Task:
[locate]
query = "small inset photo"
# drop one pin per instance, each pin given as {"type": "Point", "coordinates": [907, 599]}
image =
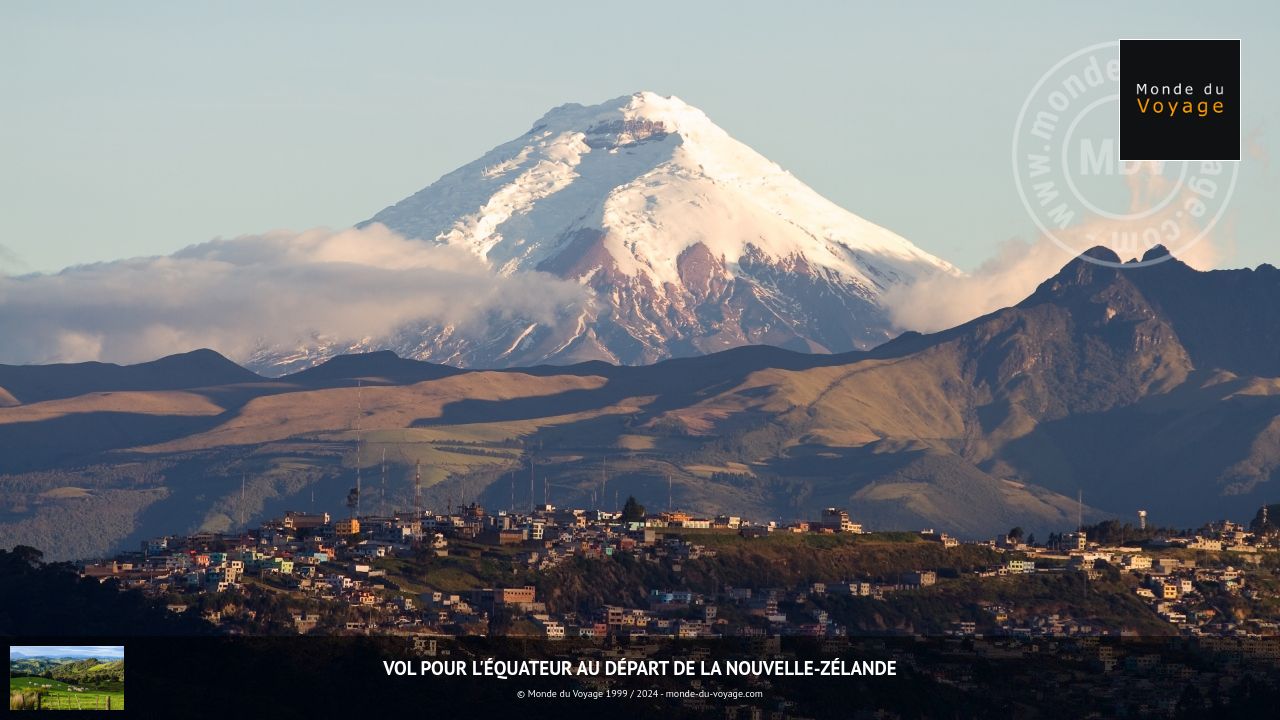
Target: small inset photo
{"type": "Point", "coordinates": [66, 677]}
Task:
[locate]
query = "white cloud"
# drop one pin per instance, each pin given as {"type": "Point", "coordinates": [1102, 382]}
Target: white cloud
{"type": "Point", "coordinates": [276, 289]}
{"type": "Point", "coordinates": [944, 301]}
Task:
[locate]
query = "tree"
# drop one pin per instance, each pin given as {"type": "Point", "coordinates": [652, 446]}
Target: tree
{"type": "Point", "coordinates": [27, 555]}
{"type": "Point", "coordinates": [1031, 539]}
{"type": "Point", "coordinates": [632, 511]}
{"type": "Point", "coordinates": [1266, 519]}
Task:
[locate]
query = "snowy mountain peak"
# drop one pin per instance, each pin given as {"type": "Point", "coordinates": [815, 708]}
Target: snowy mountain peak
{"type": "Point", "coordinates": [687, 240]}
{"type": "Point", "coordinates": [631, 118]}
{"type": "Point", "coordinates": [652, 176]}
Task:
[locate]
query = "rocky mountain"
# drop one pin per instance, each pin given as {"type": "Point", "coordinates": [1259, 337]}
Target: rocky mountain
{"type": "Point", "coordinates": [689, 243]}
{"type": "Point", "coordinates": [1153, 388]}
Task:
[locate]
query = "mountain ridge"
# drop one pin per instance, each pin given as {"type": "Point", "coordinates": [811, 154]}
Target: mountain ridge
{"type": "Point", "coordinates": [1104, 382]}
{"type": "Point", "coordinates": [196, 368]}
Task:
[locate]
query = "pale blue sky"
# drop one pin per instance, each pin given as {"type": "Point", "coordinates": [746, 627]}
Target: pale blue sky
{"type": "Point", "coordinates": [100, 652]}
{"type": "Point", "coordinates": [135, 128]}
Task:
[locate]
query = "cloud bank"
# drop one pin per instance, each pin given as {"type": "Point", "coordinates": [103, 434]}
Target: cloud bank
{"type": "Point", "coordinates": [944, 301]}
{"type": "Point", "coordinates": [280, 289]}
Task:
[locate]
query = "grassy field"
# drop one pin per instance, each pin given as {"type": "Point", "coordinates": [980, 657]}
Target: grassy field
{"type": "Point", "coordinates": [58, 695]}
{"type": "Point", "coordinates": [467, 567]}
{"type": "Point", "coordinates": [719, 537]}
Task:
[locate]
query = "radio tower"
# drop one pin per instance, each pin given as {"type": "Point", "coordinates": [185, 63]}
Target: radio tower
{"type": "Point", "coordinates": [382, 500]}
{"type": "Point", "coordinates": [359, 412]}
{"type": "Point", "coordinates": [1079, 510]}
{"type": "Point", "coordinates": [417, 486]}
{"type": "Point", "coordinates": [241, 499]}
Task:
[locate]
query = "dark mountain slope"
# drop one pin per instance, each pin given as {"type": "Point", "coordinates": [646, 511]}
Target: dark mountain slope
{"type": "Point", "coordinates": [1154, 387]}
{"type": "Point", "coordinates": [382, 367]}
{"type": "Point", "coordinates": [195, 369]}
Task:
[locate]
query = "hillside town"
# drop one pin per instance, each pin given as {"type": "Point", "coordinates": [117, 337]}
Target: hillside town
{"type": "Point", "coordinates": [357, 575]}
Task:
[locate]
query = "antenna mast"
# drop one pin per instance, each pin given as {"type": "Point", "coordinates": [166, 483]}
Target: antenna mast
{"type": "Point", "coordinates": [417, 485]}
{"type": "Point", "coordinates": [359, 412]}
{"type": "Point", "coordinates": [1079, 509]}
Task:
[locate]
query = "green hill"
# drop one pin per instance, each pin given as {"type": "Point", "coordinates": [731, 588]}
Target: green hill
{"type": "Point", "coordinates": [59, 695]}
{"type": "Point", "coordinates": [90, 672]}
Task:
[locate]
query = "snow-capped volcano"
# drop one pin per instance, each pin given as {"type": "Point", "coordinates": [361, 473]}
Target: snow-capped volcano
{"type": "Point", "coordinates": [687, 240]}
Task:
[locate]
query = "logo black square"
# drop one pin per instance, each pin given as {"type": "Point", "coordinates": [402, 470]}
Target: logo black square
{"type": "Point", "coordinates": [1179, 99]}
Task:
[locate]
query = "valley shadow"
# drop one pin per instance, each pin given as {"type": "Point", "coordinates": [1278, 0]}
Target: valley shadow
{"type": "Point", "coordinates": [232, 398]}
{"type": "Point", "coordinates": [381, 367]}
{"type": "Point", "coordinates": [77, 438]}
{"type": "Point", "coordinates": [194, 491]}
{"type": "Point", "coordinates": [824, 461]}
{"type": "Point", "coordinates": [674, 383]}
{"type": "Point", "coordinates": [1157, 455]}
{"type": "Point", "coordinates": [191, 492]}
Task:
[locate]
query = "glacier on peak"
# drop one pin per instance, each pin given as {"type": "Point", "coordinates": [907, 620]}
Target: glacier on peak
{"type": "Point", "coordinates": [689, 240]}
